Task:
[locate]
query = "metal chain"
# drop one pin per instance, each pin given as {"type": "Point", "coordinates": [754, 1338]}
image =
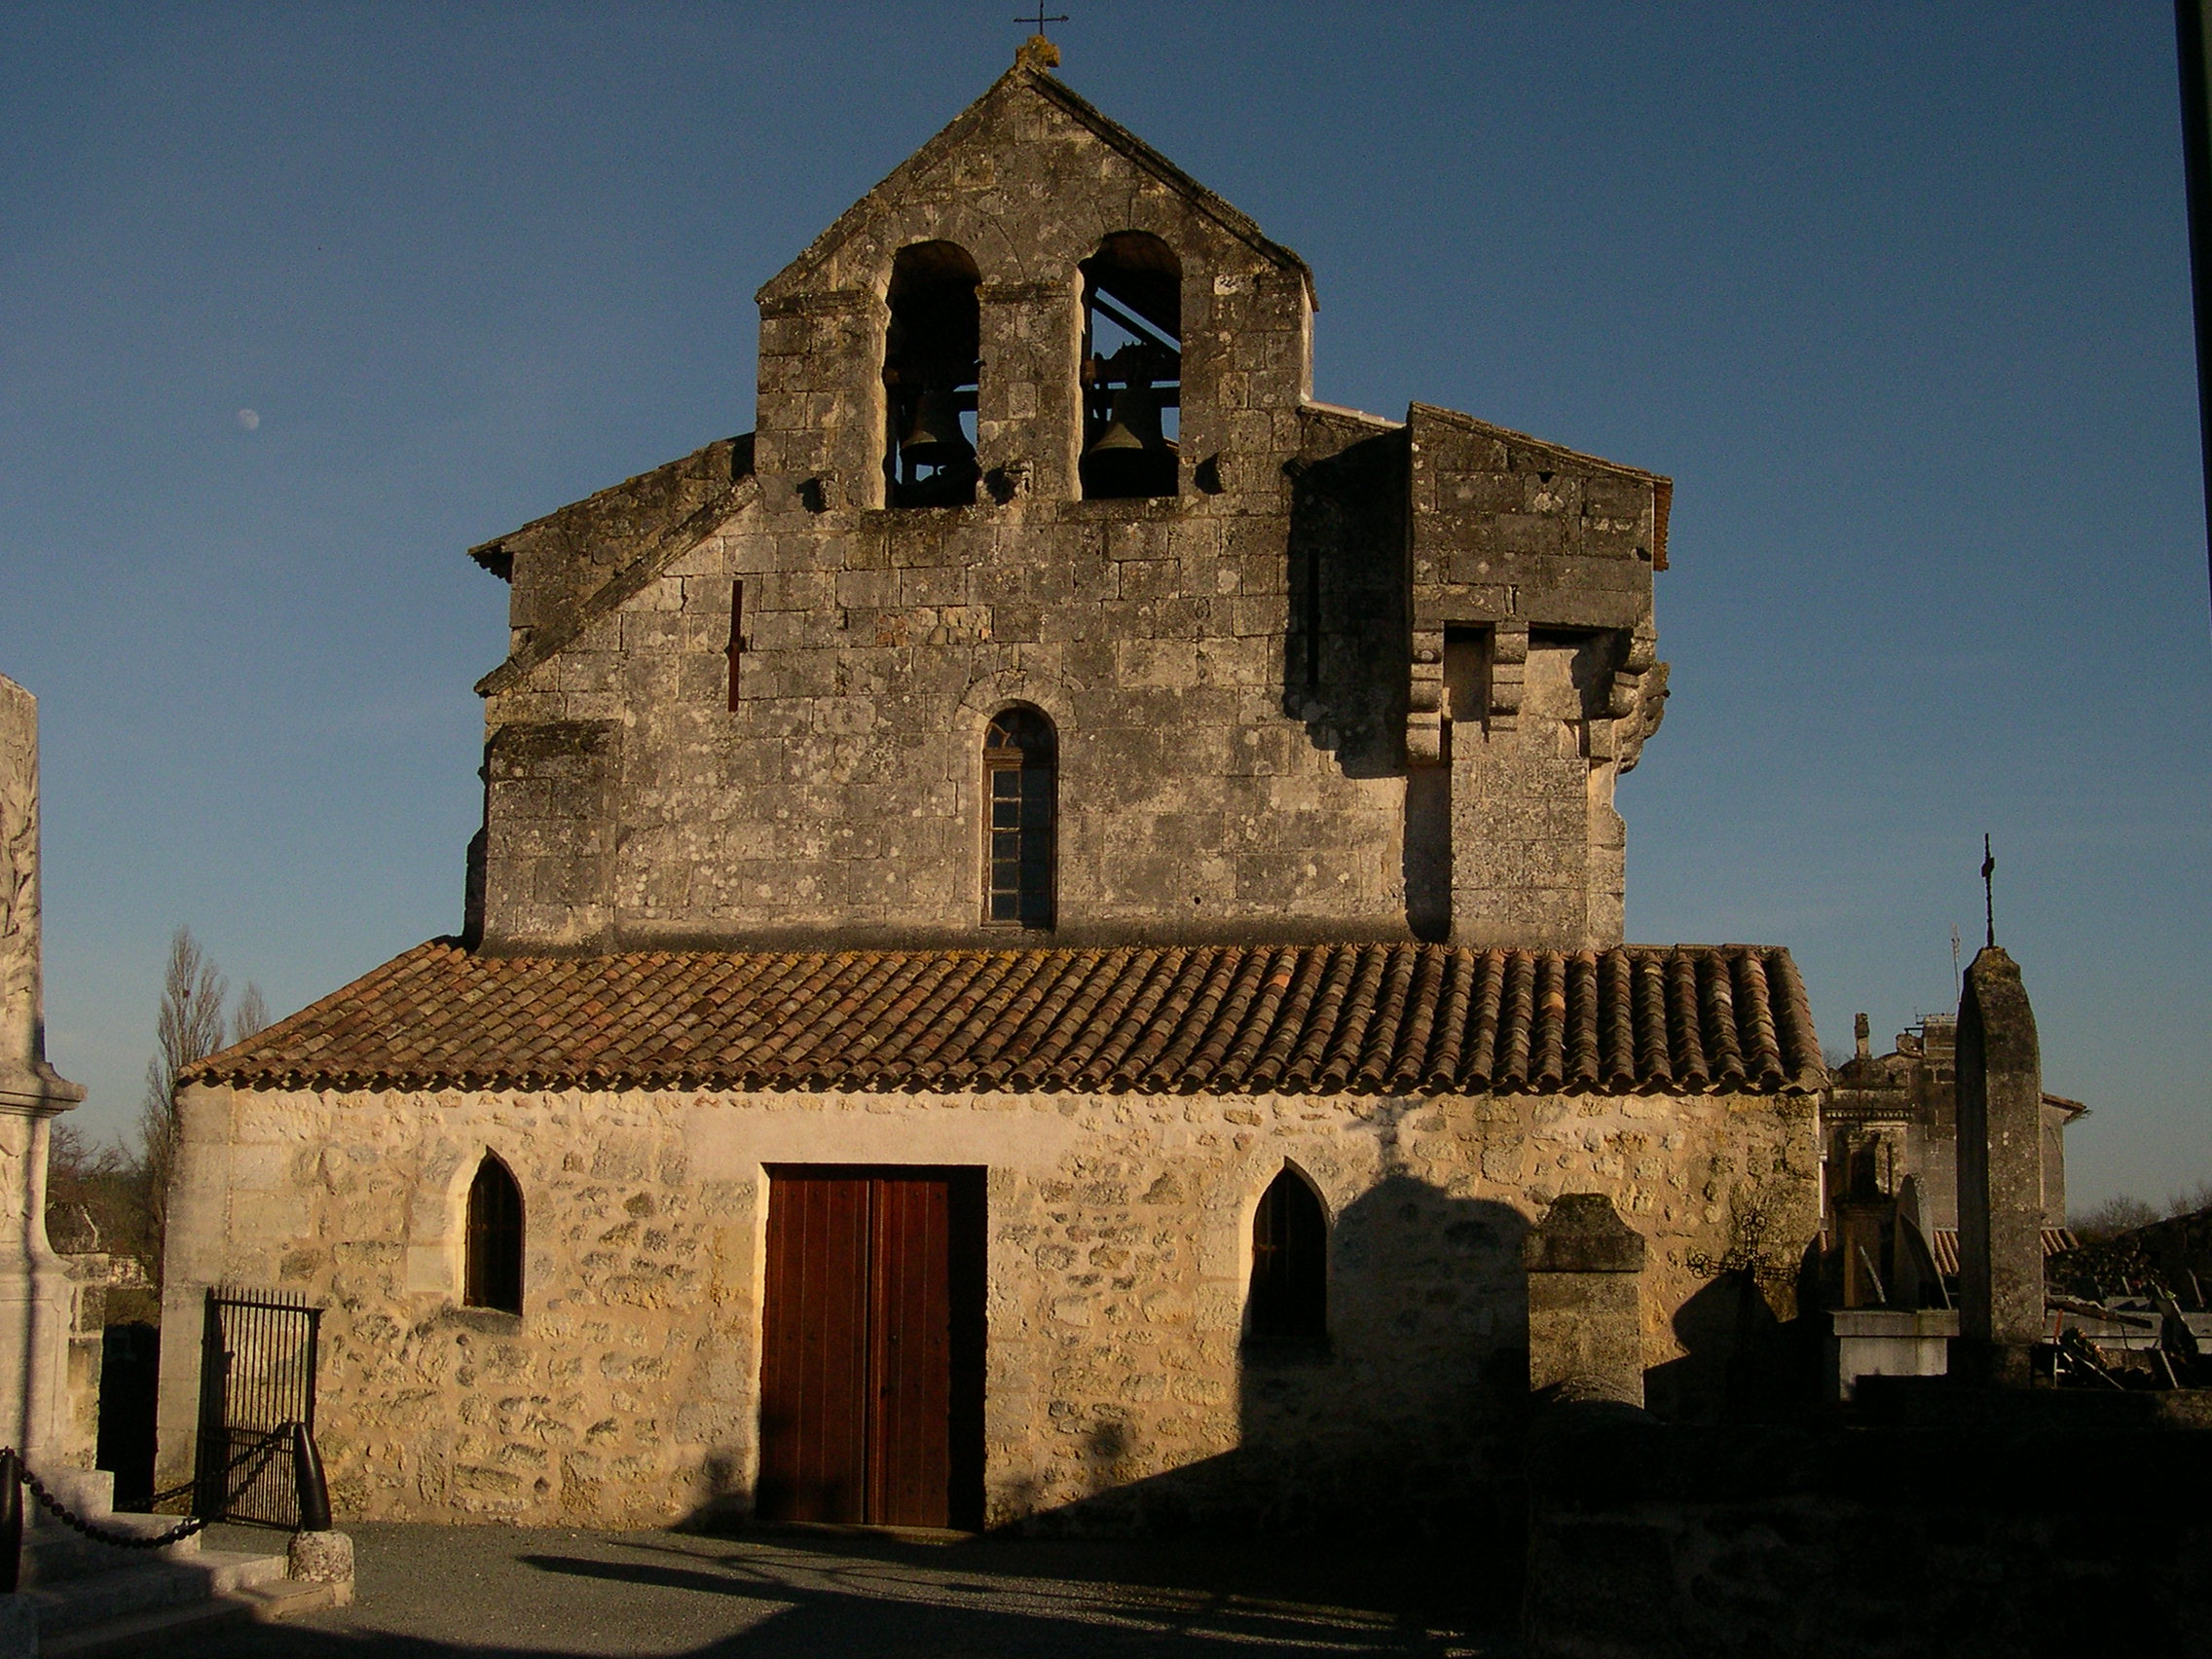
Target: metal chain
{"type": "Point", "coordinates": [132, 1540]}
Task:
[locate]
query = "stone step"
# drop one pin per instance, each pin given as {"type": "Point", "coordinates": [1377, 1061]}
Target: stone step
{"type": "Point", "coordinates": [53, 1552]}
{"type": "Point", "coordinates": [90, 1492]}
{"type": "Point", "coordinates": [151, 1632]}
{"type": "Point", "coordinates": [147, 1586]}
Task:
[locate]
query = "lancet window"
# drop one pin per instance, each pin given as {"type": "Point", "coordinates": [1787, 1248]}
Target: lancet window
{"type": "Point", "coordinates": [1289, 1304]}
{"type": "Point", "coordinates": [494, 1277]}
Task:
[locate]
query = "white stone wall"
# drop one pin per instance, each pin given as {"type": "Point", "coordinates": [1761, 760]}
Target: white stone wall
{"type": "Point", "coordinates": [1119, 1251]}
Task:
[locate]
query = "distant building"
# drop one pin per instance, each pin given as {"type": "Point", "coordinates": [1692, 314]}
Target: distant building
{"type": "Point", "coordinates": [1046, 921]}
{"type": "Point", "coordinates": [1889, 1156]}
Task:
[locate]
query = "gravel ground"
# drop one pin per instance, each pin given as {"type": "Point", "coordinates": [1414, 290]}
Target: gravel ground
{"type": "Point", "coordinates": [505, 1592]}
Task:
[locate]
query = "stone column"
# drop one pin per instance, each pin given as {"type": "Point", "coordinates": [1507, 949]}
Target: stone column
{"type": "Point", "coordinates": [1585, 1314]}
{"type": "Point", "coordinates": [36, 1296]}
{"type": "Point", "coordinates": [2000, 1097]}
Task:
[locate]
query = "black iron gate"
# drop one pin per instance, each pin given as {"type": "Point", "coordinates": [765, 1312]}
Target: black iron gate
{"type": "Point", "coordinates": [257, 1361]}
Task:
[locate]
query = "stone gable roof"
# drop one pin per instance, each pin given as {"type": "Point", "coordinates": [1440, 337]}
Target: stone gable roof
{"type": "Point", "coordinates": [968, 127]}
{"type": "Point", "coordinates": [1662, 487]}
{"type": "Point", "coordinates": [618, 541]}
{"type": "Point", "coordinates": [610, 524]}
{"type": "Point", "coordinates": [1327, 1019]}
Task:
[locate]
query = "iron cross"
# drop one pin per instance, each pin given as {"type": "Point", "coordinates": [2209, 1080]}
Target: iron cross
{"type": "Point", "coordinates": [1040, 20]}
{"type": "Point", "coordinates": [1989, 889]}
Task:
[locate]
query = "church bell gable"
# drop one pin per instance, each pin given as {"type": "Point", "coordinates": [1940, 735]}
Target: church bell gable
{"type": "Point", "coordinates": [1035, 192]}
{"type": "Point", "coordinates": [1035, 432]}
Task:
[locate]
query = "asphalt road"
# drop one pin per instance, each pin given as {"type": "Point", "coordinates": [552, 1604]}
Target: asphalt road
{"type": "Point", "coordinates": [501, 1593]}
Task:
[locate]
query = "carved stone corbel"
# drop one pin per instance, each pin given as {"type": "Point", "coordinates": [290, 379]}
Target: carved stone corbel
{"type": "Point", "coordinates": [1425, 702]}
{"type": "Point", "coordinates": [1508, 674]}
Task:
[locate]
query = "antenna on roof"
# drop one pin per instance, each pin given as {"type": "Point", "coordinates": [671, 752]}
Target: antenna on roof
{"type": "Point", "coordinates": [1989, 888]}
{"type": "Point", "coordinates": [1954, 961]}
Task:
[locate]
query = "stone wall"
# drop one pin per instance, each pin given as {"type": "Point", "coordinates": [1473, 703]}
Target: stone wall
{"type": "Point", "coordinates": [1119, 1251]}
{"type": "Point", "coordinates": [1540, 561]}
{"type": "Point", "coordinates": [1979, 1538]}
{"type": "Point", "coordinates": [1230, 669]}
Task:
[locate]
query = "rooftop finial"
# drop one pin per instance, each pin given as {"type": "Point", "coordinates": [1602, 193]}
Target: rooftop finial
{"type": "Point", "coordinates": [1038, 53]}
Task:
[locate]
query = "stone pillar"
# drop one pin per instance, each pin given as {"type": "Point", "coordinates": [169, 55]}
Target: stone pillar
{"type": "Point", "coordinates": [1028, 415]}
{"type": "Point", "coordinates": [1585, 1314]}
{"type": "Point", "coordinates": [2000, 1097]}
{"type": "Point", "coordinates": [36, 1296]}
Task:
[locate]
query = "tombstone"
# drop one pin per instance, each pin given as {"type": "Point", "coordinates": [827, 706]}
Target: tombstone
{"type": "Point", "coordinates": [37, 1298]}
{"type": "Point", "coordinates": [2000, 1097]}
{"type": "Point", "coordinates": [1585, 1310]}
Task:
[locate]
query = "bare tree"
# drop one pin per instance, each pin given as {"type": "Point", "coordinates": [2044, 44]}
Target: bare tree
{"type": "Point", "coordinates": [2197, 1198]}
{"type": "Point", "coordinates": [2115, 1215]}
{"type": "Point", "coordinates": [251, 1016]}
{"type": "Point", "coordinates": [189, 1027]}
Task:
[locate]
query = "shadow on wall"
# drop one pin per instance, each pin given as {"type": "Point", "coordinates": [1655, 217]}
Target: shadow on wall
{"type": "Point", "coordinates": [1406, 1421]}
{"type": "Point", "coordinates": [1349, 639]}
{"type": "Point", "coordinates": [1740, 1362]}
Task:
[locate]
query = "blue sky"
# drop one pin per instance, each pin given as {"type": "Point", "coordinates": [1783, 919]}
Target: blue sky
{"type": "Point", "coordinates": [1898, 295]}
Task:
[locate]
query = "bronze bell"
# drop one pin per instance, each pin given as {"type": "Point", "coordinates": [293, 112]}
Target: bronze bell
{"type": "Point", "coordinates": [1135, 424]}
{"type": "Point", "coordinates": [1132, 456]}
{"type": "Point", "coordinates": [934, 437]}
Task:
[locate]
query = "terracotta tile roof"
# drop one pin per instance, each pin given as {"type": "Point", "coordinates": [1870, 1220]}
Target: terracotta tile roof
{"type": "Point", "coordinates": [1345, 1019]}
{"type": "Point", "coordinates": [1943, 1245]}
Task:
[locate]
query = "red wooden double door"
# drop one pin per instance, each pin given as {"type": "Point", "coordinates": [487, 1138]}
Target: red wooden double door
{"type": "Point", "coordinates": [871, 1371]}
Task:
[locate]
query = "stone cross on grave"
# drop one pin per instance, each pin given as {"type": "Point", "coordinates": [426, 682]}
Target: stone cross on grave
{"type": "Point", "coordinates": [2000, 1103]}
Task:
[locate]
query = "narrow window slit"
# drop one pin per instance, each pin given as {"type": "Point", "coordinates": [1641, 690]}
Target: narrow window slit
{"type": "Point", "coordinates": [1020, 763]}
{"type": "Point", "coordinates": [735, 649]}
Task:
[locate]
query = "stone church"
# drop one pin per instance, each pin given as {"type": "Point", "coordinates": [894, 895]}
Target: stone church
{"type": "Point", "coordinates": [1045, 922]}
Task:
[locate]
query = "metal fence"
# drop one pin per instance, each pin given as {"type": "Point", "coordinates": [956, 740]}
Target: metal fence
{"type": "Point", "coordinates": [257, 1373]}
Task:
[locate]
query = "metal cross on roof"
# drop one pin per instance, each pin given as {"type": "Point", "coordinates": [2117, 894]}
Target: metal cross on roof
{"type": "Point", "coordinates": [1039, 22]}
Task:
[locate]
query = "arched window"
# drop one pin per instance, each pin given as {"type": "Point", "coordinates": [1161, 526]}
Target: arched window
{"type": "Point", "coordinates": [1019, 761]}
{"type": "Point", "coordinates": [1133, 367]}
{"type": "Point", "coordinates": [494, 1240]}
{"type": "Point", "coordinates": [931, 361]}
{"type": "Point", "coordinates": [1289, 1307]}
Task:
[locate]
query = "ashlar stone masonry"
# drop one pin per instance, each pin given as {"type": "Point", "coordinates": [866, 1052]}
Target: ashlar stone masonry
{"type": "Point", "coordinates": [1354, 678]}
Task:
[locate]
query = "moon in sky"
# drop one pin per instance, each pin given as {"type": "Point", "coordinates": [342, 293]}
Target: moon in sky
{"type": "Point", "coordinates": [249, 419]}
